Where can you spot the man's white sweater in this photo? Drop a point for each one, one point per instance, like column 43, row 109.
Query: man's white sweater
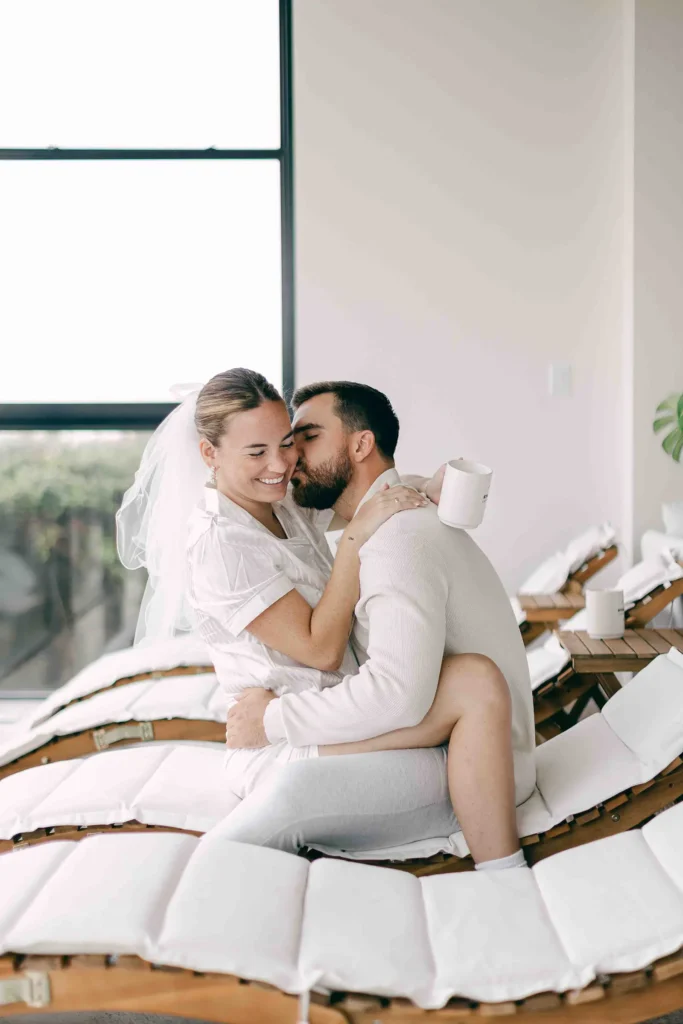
column 427, row 590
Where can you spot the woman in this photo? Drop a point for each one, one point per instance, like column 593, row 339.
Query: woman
column 276, row 611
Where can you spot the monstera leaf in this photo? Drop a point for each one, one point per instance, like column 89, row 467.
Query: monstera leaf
column 671, row 420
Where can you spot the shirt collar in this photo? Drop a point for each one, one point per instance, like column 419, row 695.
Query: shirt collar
column 389, row 476
column 220, row 505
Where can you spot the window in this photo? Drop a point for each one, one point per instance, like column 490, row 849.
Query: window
column 146, row 205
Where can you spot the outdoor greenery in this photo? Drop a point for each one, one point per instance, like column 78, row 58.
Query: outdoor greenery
column 47, row 477
column 672, row 422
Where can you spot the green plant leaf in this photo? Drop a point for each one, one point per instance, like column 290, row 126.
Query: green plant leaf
column 671, row 440
column 669, row 404
column 664, row 421
column 679, row 410
column 678, row 448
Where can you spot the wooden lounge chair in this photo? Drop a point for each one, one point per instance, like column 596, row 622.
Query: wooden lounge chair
column 349, row 943
column 124, row 699
column 609, row 773
column 560, row 686
column 165, row 691
column 544, row 611
column 554, row 591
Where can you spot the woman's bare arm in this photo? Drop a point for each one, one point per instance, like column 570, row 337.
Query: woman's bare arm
column 318, row 636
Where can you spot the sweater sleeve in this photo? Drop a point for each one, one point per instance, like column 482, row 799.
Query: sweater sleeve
column 404, row 589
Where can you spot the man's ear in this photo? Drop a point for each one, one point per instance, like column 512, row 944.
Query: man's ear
column 363, row 445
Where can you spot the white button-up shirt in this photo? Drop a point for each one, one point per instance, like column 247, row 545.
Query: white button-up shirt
column 237, row 569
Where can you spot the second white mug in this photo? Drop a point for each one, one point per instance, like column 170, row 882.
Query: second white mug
column 605, row 614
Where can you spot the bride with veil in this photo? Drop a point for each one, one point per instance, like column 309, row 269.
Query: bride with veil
column 233, row 559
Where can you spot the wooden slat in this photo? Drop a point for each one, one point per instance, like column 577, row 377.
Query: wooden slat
column 618, row 646
column 652, row 604
column 654, row 640
column 527, row 601
column 560, row 601
column 573, row 643
column 638, row 645
column 595, row 646
column 592, row 566
column 576, row 601
column 674, row 637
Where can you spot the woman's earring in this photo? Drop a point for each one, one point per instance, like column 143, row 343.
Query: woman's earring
column 213, row 477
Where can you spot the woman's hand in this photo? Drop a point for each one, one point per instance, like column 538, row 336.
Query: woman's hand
column 379, row 508
column 434, row 485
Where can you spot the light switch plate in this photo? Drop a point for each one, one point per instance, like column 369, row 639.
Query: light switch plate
column 560, row 380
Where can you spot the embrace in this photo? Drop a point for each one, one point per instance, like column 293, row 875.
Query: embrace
column 377, row 698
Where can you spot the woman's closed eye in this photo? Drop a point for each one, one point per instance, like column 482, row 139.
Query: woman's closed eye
column 259, row 455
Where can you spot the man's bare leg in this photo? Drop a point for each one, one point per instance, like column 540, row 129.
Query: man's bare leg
column 472, row 711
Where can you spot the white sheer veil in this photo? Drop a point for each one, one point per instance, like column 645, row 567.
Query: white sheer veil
column 152, row 522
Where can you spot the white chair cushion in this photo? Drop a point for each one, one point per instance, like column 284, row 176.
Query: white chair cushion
column 646, row 576
column 22, row 876
column 584, row 766
column 588, row 544
column 365, row 928
column 193, row 697
column 104, row 897
column 156, row 784
column 551, row 575
column 153, row 657
column 647, row 713
column 492, row 938
column 237, row 909
column 546, row 661
column 609, row 906
column 664, row 836
column 652, row 542
column 612, row 904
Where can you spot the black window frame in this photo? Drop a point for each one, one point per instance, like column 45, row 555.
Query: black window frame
column 147, row 416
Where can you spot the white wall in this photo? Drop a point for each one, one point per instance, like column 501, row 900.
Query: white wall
column 459, row 214
column 658, row 243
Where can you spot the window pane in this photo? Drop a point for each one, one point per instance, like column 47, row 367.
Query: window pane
column 118, row 74
column 64, row 596
column 119, row 279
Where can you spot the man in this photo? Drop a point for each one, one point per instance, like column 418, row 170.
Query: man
column 426, row 591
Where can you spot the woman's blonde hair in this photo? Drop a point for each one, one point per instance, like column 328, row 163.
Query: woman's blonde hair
column 227, row 393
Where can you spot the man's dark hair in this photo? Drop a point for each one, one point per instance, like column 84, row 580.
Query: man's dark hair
column 359, row 407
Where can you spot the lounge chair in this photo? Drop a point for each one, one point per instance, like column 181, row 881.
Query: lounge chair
column 554, row 591
column 649, row 587
column 223, row 931
column 610, row 772
column 164, row 691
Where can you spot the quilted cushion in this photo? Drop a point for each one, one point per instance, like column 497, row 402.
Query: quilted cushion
column 647, row 713
column 153, row 657
column 193, row 697
column 157, row 784
column 610, row 906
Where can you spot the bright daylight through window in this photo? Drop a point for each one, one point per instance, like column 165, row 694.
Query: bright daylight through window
column 145, row 203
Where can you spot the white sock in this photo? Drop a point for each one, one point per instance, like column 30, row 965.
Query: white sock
column 515, row 860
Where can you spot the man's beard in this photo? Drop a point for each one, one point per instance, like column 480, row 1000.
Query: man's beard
column 323, row 486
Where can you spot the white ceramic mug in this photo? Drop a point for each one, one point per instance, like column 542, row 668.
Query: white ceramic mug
column 464, row 493
column 605, row 614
